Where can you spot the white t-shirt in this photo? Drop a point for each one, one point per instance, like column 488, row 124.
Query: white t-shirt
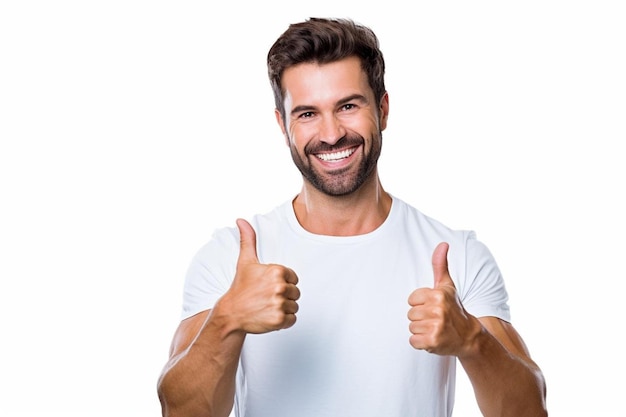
column 348, row 353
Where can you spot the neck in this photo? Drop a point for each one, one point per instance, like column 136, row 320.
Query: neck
column 358, row 213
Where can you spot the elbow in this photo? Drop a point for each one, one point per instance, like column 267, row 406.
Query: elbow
column 179, row 402
column 166, row 392
column 162, row 393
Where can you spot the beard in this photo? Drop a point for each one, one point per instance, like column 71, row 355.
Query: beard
column 342, row 181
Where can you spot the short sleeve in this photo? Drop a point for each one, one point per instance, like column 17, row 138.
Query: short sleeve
column 485, row 294
column 210, row 272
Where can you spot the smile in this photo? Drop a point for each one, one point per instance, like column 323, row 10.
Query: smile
column 335, row 156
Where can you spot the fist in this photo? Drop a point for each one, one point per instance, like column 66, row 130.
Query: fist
column 437, row 320
column 262, row 298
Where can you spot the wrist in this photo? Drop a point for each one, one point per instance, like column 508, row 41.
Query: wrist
column 477, row 337
column 224, row 318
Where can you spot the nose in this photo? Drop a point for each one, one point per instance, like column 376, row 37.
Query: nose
column 331, row 130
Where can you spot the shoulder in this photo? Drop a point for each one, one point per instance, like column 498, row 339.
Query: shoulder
column 411, row 218
column 223, row 245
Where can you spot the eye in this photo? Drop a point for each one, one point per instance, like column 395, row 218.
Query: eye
column 306, row 115
column 348, row 106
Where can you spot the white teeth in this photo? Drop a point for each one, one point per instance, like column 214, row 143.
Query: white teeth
column 335, row 156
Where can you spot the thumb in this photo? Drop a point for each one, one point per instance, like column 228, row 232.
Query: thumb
column 247, row 243
column 440, row 266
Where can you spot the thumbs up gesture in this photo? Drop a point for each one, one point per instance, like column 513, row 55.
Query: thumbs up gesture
column 438, row 322
column 262, row 298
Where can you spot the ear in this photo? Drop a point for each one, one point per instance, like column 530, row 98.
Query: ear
column 281, row 124
column 384, row 111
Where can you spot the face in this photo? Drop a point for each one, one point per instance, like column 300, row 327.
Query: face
column 333, row 125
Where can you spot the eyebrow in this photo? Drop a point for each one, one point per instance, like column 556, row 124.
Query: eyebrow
column 354, row 97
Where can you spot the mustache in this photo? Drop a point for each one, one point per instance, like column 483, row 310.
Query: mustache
column 348, row 141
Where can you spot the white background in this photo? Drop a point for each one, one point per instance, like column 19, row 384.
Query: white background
column 131, row 129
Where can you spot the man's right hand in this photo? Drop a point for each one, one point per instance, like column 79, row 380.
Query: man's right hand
column 262, row 298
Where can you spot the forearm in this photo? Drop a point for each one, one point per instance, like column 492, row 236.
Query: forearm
column 505, row 384
column 200, row 380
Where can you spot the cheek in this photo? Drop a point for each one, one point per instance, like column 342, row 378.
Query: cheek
column 363, row 124
column 298, row 135
column 289, row 132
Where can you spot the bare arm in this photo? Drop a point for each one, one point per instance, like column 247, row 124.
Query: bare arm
column 199, row 377
column 506, row 381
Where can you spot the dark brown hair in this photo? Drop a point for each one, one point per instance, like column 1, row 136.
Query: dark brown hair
column 324, row 41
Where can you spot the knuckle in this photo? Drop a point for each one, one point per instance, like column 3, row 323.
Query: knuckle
column 274, row 271
column 439, row 296
column 276, row 319
column 280, row 289
column 438, row 312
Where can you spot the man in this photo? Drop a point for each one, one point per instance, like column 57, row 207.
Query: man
column 344, row 256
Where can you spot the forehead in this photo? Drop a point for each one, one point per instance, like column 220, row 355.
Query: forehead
column 309, row 83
